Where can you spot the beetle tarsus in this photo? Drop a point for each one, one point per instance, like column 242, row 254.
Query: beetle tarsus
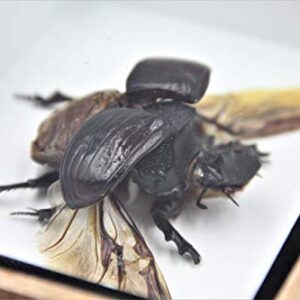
column 201, row 205
column 171, row 234
column 198, row 202
column 54, row 98
column 43, row 215
column 43, row 181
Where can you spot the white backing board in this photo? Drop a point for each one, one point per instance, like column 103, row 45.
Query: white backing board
column 93, row 47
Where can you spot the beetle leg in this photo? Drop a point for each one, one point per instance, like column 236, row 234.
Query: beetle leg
column 227, row 193
column 54, row 98
column 198, row 202
column 163, row 209
column 43, row 181
column 43, row 215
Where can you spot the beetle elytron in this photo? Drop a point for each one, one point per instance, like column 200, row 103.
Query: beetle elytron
column 151, row 135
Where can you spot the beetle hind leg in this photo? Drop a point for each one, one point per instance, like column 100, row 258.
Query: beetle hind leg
column 54, row 98
column 164, row 208
column 43, row 181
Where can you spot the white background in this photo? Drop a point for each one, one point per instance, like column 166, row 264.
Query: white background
column 23, row 22
column 81, row 47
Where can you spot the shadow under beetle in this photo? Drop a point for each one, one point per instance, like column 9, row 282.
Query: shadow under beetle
column 152, row 135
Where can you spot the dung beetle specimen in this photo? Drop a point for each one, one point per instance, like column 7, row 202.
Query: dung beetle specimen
column 151, row 135
column 159, row 146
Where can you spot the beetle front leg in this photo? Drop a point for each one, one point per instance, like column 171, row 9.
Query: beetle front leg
column 43, row 181
column 54, row 98
column 163, row 209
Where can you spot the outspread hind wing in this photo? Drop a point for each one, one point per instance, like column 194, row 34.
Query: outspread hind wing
column 253, row 113
column 101, row 244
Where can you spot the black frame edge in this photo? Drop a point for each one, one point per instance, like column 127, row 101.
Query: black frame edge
column 15, row 265
column 282, row 265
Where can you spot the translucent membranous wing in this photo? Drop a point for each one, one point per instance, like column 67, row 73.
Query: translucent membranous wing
column 105, row 149
column 101, row 244
column 254, row 113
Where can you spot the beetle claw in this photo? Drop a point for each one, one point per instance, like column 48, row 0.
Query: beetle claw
column 202, row 206
column 188, row 248
column 198, row 202
column 171, row 234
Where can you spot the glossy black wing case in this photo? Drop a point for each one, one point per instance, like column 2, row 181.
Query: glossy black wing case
column 104, row 150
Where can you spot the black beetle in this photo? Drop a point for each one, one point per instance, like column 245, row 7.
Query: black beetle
column 153, row 135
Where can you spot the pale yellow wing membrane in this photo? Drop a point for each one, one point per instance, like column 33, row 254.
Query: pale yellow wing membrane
column 101, row 244
column 254, row 113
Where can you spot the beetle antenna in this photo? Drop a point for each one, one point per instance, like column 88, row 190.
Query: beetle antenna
column 198, row 202
column 230, row 197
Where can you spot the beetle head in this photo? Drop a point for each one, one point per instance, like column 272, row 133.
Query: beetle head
column 226, row 167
